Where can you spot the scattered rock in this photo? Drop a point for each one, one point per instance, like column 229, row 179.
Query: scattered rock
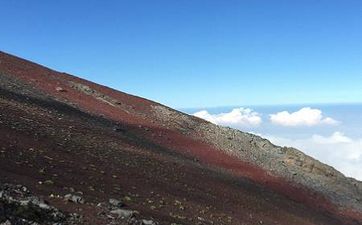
column 18, row 206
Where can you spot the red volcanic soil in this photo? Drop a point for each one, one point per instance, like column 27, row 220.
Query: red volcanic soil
column 51, row 130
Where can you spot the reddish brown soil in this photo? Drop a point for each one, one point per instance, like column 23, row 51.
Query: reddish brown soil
column 77, row 147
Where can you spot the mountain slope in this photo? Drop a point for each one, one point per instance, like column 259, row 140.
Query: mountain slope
column 61, row 134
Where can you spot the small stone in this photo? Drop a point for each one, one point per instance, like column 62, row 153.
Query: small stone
column 36, row 201
column 74, row 198
column 49, row 182
column 24, row 189
column 60, row 89
column 91, row 188
column 123, row 213
column 148, row 222
column 116, row 203
column 127, row 198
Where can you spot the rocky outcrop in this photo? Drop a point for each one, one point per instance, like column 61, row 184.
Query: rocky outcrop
column 19, row 206
column 287, row 162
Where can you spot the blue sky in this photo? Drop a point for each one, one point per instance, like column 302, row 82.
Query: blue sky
column 197, row 53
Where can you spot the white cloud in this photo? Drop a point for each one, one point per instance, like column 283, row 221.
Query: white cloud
column 335, row 138
column 337, row 150
column 239, row 117
column 304, row 117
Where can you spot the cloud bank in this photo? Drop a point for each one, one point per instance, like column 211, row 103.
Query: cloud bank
column 337, row 150
column 304, row 117
column 239, row 117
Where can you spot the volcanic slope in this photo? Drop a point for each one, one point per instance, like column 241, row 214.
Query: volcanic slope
column 65, row 136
